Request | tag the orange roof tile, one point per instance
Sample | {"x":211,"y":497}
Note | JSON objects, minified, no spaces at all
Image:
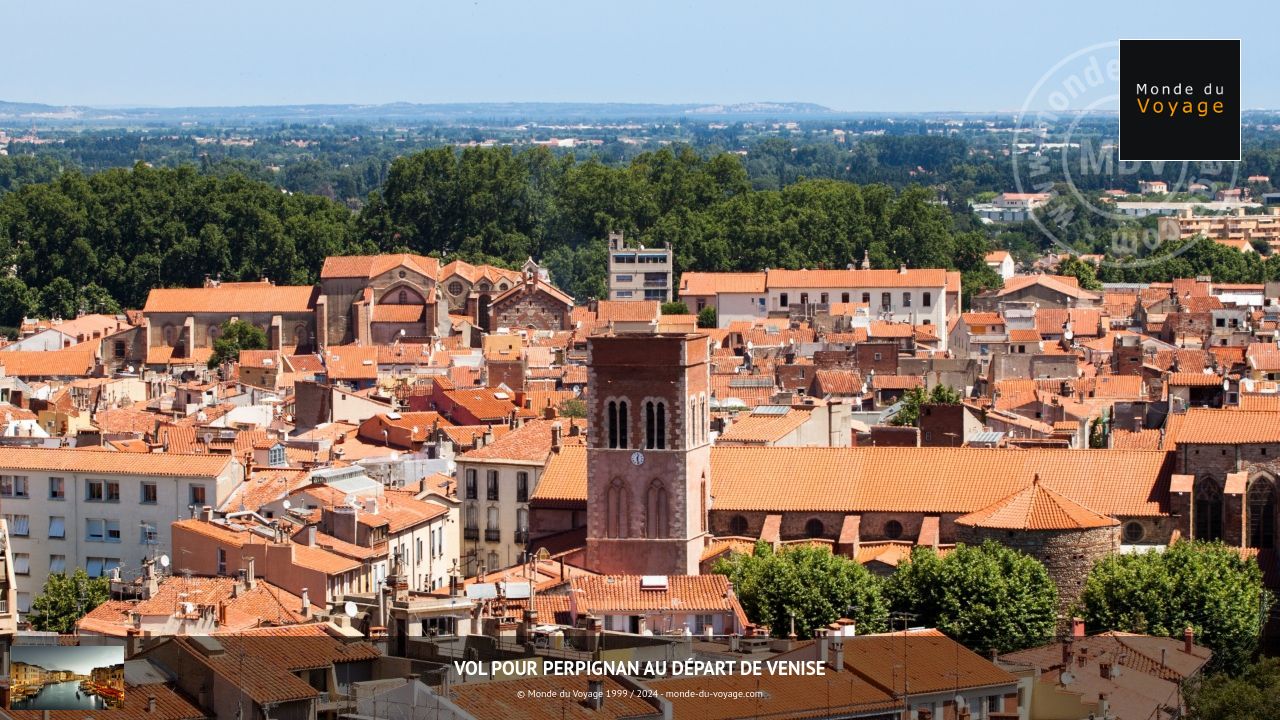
{"x":763,"y":429}
{"x":928,"y":277}
{"x":1036,"y":507}
{"x":628,"y":310}
{"x":707,"y":283}
{"x":1209,"y":426}
{"x":1135,"y":440}
{"x":529,"y":443}
{"x":351,"y":362}
{"x":83,"y":461}
{"x":887,"y":479}
{"x":1065,"y":285}
{"x":367,"y":266}
{"x":232,"y":298}
{"x":75,"y":361}
{"x":605,"y":594}
{"x":1194,"y":379}
{"x":392,"y":313}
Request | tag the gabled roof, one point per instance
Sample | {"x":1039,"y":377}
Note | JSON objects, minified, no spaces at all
{"x":368,"y":266}
{"x":1211,"y":426}
{"x":1036,"y":507}
{"x":531,"y":442}
{"x":612,"y":594}
{"x":1064,"y":285}
{"x":86,"y":461}
{"x":75,"y":361}
{"x":532,"y":286}
{"x":923,"y":278}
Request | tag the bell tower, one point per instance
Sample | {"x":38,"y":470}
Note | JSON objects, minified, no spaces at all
{"x":648,"y":452}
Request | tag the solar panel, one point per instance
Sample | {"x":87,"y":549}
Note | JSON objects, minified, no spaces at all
{"x":516,"y":590}
{"x":771,"y":410}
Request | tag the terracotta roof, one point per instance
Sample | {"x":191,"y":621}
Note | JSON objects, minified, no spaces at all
{"x":756,"y":429}
{"x":367,"y":266}
{"x":1209,"y":426}
{"x":881,"y":329}
{"x":628,"y":310}
{"x":483,"y":403}
{"x":75,"y":361}
{"x":887,"y":479}
{"x":927,"y":278}
{"x":1036,"y":507}
{"x":1139,"y":440}
{"x":170,"y":705}
{"x":393,"y":313}
{"x":123,"y":420}
{"x":1259,"y":403}
{"x":351,"y":362}
{"x":531,"y":442}
{"x":833,"y":694}
{"x":896,"y":382}
{"x":232,"y":298}
{"x":938,"y":663}
{"x":83,"y":461}
{"x":982,"y":318}
{"x":608,"y":594}
{"x":465,"y":435}
{"x":1065,"y":285}
{"x":997,"y":256}
{"x":1194,"y":379}
{"x":1085,"y":322}
{"x":837,"y":382}
{"x":1024,"y":335}
{"x":700,"y":283}
{"x":531,"y":286}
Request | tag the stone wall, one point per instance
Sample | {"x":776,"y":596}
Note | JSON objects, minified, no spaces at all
{"x":1068,"y":555}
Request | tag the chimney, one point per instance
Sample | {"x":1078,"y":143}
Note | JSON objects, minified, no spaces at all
{"x":595,"y":694}
{"x":837,"y":663}
{"x":902,"y":269}
{"x":222,"y":614}
{"x":555,"y":437}
{"x":373,"y":506}
{"x":1077,"y":627}
{"x":250,"y":581}
{"x":311,"y":535}
{"x":306,"y":604}
{"x":206,"y":513}
{"x":1104,"y":707}
{"x":151,"y":703}
{"x":1188,"y":639}
{"x":820,"y":634}
{"x":549,"y":412}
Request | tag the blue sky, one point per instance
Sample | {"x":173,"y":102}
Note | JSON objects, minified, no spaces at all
{"x":855,"y":56}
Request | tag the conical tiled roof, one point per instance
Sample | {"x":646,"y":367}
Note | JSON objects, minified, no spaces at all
{"x":1036,"y":507}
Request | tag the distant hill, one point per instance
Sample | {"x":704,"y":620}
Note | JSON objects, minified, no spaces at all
{"x":17,"y":113}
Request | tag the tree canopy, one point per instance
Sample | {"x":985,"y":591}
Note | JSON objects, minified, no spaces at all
{"x":987,"y":597}
{"x":236,"y":335}
{"x":66,"y":598}
{"x":913,"y":399}
{"x":1254,"y":694}
{"x":1206,"y":586}
{"x":809,"y":585}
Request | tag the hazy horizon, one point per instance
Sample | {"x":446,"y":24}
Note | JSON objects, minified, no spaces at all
{"x":852,"y":58}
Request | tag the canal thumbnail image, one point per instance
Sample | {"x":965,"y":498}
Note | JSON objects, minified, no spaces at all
{"x":66,"y":677}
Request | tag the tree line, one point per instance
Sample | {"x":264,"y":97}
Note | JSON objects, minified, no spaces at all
{"x":100,"y":242}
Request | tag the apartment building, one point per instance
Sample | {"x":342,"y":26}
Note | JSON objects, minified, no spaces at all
{"x":1235,"y":229}
{"x":497,"y":481}
{"x":100,"y":510}
{"x":639,"y":273}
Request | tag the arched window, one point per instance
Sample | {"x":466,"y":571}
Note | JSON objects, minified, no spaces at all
{"x":1262,"y":512}
{"x":657,"y":518}
{"x":893,"y":529}
{"x":403,"y":297}
{"x":655,"y":425}
{"x":702,"y":503}
{"x":624,"y":439}
{"x":168,"y":335}
{"x":300,"y":334}
{"x":616,"y":510}
{"x":1208,"y":509}
{"x":213,"y":333}
{"x":814,"y":528}
{"x":737,"y":525}
{"x":611,"y":410}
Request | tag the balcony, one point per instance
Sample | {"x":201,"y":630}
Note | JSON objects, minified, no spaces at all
{"x":471,"y":533}
{"x":522,"y":537}
{"x":492,"y":535}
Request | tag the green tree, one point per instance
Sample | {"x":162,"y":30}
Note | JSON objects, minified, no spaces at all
{"x":1252,"y":695}
{"x":16,"y":301}
{"x":59,"y":299}
{"x":65,"y":599}
{"x":807,"y":584}
{"x":236,"y":335}
{"x":1085,"y":272}
{"x":573,"y":408}
{"x":987,"y":597}
{"x":675,"y":308}
{"x":707,"y":318}
{"x":1208,"y":587}
{"x":913,"y":399}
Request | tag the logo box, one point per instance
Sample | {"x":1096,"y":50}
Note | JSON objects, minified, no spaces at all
{"x":1180,"y":100}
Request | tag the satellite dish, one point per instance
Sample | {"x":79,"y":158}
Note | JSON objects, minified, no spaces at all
{"x":187,"y":608}
{"x":350,"y":609}
{"x":286,"y":504}
{"x":1068,"y":334}
{"x":164,"y":561}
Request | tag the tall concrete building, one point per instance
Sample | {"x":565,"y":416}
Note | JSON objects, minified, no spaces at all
{"x":648,"y":453}
{"x":639,"y":273}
